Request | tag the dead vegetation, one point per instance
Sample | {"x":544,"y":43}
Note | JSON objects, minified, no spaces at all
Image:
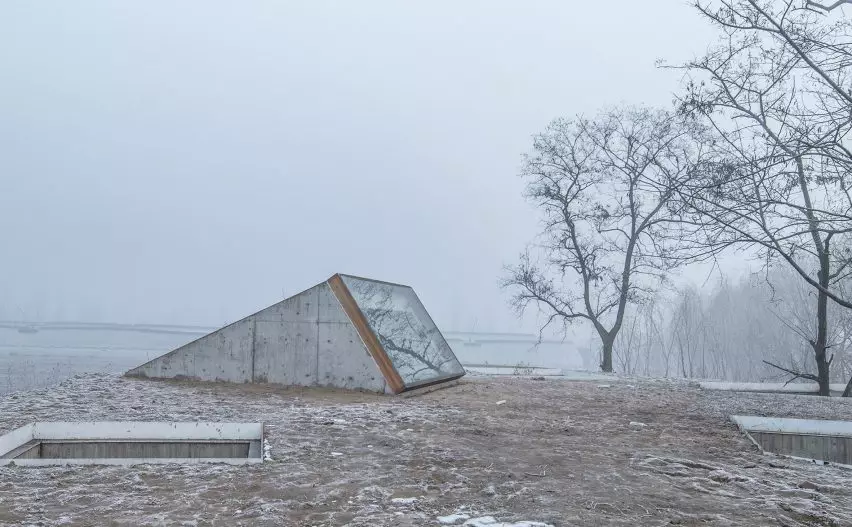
{"x":559,"y":452}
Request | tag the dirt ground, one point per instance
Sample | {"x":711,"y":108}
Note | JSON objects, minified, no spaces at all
{"x":556,"y":451}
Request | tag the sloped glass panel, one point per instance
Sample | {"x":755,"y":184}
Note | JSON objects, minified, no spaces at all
{"x":405,"y":330}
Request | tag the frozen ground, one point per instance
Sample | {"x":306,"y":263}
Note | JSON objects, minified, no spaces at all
{"x":559,"y":452}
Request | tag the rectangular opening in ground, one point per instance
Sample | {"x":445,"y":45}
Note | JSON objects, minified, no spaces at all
{"x":134,"y":449}
{"x":813,"y":439}
{"x":132,"y":443}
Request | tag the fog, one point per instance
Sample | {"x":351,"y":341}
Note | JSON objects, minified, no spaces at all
{"x":192,"y":162}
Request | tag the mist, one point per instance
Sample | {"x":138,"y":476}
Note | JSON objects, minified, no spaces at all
{"x":190,"y":163}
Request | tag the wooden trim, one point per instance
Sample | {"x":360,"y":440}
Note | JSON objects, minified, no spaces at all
{"x":414,"y":392}
{"x":447,"y":377}
{"x":350,"y":307}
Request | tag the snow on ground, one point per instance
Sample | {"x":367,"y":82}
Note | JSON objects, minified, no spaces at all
{"x":799,"y":387}
{"x":557,"y":452}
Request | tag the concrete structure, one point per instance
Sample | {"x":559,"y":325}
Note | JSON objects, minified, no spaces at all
{"x":131,"y":443}
{"x":793,"y":388}
{"x":347,"y":332}
{"x":812,"y":439}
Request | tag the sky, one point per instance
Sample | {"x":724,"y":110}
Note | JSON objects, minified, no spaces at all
{"x":191,"y":162}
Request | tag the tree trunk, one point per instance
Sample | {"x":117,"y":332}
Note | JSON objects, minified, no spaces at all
{"x":822,"y":336}
{"x":606,"y":360}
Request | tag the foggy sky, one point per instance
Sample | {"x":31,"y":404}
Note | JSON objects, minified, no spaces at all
{"x":192,"y":162}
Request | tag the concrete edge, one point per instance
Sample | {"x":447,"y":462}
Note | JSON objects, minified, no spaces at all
{"x":127,"y":461}
{"x":786,"y":425}
{"x":805,"y":388}
{"x":128,"y":431}
{"x":736,"y":420}
{"x":431,"y":388}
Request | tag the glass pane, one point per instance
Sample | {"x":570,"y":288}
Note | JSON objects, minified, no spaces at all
{"x":416,"y":348}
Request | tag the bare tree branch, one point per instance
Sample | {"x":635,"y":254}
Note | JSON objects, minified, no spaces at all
{"x":830,"y":7}
{"x":795,"y":374}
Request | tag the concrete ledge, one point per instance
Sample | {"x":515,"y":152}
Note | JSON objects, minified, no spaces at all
{"x":127,"y":461}
{"x":809,"y":439}
{"x":145,"y":430}
{"x":801,"y":388}
{"x":783,"y":425}
{"x":86,"y":443}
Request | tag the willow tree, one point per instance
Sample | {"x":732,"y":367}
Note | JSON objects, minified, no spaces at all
{"x":605,"y":188}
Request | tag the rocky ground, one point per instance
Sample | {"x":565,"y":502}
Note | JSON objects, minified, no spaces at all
{"x":553,"y":451}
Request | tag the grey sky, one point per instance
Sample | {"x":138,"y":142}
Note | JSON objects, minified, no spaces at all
{"x":190,"y":162}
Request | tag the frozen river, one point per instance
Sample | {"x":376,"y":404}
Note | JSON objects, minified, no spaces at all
{"x":32,"y":360}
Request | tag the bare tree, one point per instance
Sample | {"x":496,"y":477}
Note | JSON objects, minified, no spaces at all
{"x":605,"y":188}
{"x":688,"y":330}
{"x":733,"y":331}
{"x":826,"y":7}
{"x":626,"y":349}
{"x":773,"y":89}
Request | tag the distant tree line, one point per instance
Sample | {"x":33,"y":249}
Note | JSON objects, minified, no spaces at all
{"x":733,"y":332}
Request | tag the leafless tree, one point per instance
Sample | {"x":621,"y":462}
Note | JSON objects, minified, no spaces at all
{"x":826,"y":7}
{"x":775,"y":87}
{"x":605,"y":188}
{"x":732,"y":331}
{"x":688,"y":331}
{"x":627,"y":346}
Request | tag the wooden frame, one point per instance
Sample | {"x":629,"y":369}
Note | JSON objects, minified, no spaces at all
{"x":350,"y":307}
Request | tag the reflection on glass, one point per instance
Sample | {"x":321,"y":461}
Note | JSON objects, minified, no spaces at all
{"x":416,"y":348}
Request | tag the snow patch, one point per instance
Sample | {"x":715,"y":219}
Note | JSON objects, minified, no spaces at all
{"x":767,"y":387}
{"x":452,"y":518}
{"x":490,"y":521}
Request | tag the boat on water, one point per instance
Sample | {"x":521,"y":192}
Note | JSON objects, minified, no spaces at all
{"x":27,"y":329}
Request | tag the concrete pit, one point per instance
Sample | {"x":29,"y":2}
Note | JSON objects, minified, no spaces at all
{"x":812,"y":439}
{"x":129,"y":443}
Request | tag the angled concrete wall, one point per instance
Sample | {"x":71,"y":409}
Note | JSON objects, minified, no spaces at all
{"x":305,"y":340}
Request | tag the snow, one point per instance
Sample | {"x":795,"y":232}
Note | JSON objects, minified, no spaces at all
{"x":794,"y":426}
{"x":404,"y":501}
{"x":524,"y":371}
{"x":582,"y":375}
{"x":490,"y":521}
{"x":485,"y":521}
{"x":691,"y":465}
{"x":800,"y":387}
{"x":452,"y":518}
